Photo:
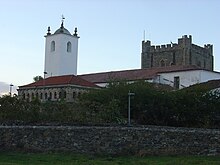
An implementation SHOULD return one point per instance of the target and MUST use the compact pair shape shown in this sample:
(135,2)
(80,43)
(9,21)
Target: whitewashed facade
(61,52)
(182,79)
(176,76)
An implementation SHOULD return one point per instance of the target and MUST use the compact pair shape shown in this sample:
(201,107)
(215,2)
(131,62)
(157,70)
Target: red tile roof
(61,80)
(136,74)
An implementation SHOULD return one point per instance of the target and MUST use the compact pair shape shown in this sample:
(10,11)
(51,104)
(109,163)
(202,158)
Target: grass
(76,159)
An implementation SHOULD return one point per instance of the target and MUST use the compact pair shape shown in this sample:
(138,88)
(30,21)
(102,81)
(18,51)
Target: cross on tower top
(62,18)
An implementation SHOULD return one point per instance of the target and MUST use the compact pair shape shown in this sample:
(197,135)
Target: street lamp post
(129,107)
(44,85)
(45,74)
(10,89)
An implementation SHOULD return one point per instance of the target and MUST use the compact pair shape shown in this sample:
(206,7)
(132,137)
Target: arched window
(50,95)
(69,46)
(74,95)
(162,63)
(45,96)
(28,97)
(79,94)
(52,46)
(55,95)
(32,95)
(64,94)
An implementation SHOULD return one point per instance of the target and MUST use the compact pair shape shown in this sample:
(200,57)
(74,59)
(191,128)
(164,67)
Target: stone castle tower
(61,51)
(183,53)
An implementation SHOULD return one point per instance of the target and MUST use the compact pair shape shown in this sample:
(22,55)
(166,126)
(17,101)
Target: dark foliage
(158,105)
(152,104)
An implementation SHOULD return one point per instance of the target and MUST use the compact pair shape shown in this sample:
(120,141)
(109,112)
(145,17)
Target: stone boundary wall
(149,140)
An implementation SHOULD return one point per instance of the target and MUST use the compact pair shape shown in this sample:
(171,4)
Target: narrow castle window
(190,57)
(174,58)
(69,46)
(152,60)
(52,46)
(162,63)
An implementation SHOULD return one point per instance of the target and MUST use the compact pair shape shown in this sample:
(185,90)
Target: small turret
(48,31)
(75,32)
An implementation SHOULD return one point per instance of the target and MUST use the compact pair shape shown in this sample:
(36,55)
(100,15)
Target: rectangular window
(176,82)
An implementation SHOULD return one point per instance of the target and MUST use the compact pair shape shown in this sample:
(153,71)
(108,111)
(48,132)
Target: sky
(111,32)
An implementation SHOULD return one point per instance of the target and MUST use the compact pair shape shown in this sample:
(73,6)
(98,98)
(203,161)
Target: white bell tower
(61,51)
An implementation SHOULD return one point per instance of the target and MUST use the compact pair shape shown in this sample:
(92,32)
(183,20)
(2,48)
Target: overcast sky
(110,32)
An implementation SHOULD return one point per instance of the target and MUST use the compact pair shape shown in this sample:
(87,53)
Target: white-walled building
(175,76)
(181,79)
(61,52)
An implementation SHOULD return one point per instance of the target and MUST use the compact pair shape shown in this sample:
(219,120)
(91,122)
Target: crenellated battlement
(163,47)
(184,52)
(181,42)
(208,46)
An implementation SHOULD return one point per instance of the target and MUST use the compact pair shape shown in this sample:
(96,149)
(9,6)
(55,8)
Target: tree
(37,78)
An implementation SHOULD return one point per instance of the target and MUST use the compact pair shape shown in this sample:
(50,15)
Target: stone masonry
(149,140)
(183,53)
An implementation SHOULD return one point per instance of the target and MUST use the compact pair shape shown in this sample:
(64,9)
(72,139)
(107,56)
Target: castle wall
(149,140)
(183,53)
(202,57)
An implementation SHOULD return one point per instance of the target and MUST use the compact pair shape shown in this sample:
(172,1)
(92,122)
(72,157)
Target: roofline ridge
(71,78)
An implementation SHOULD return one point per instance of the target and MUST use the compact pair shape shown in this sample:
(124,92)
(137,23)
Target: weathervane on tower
(62,20)
(62,17)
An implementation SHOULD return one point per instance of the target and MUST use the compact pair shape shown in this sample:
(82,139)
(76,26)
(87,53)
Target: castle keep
(183,53)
